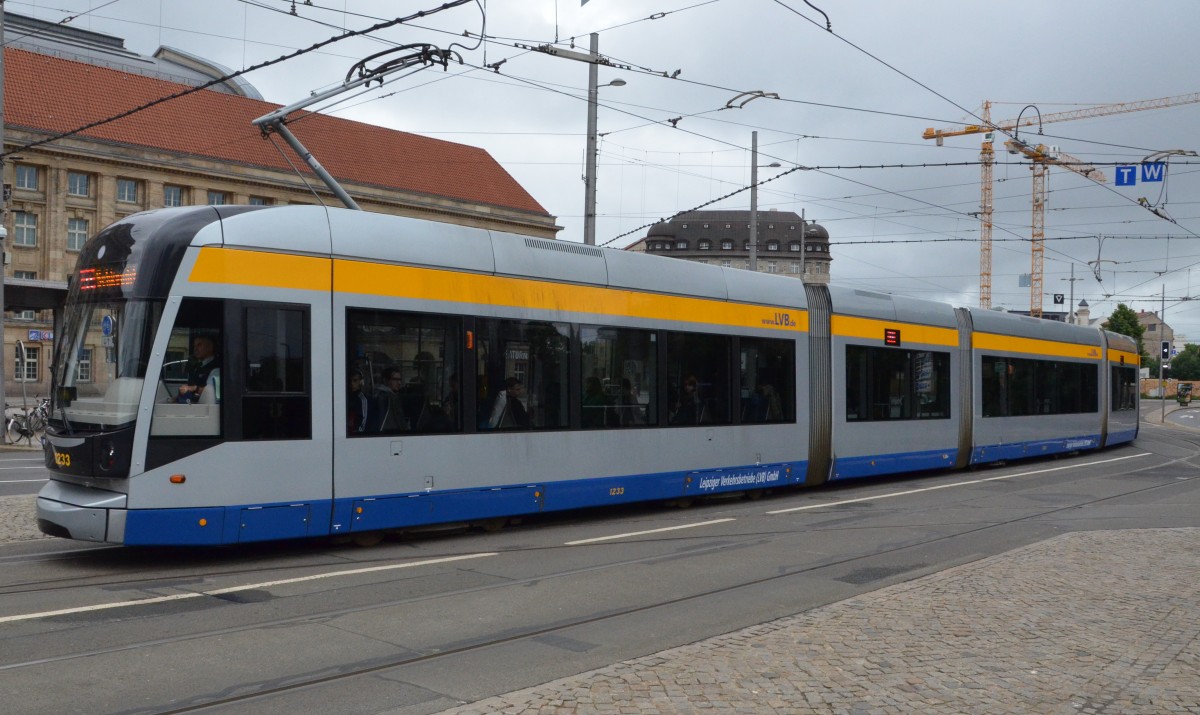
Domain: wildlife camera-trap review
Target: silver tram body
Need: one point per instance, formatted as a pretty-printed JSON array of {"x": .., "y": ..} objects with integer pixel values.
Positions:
[{"x": 300, "y": 297}]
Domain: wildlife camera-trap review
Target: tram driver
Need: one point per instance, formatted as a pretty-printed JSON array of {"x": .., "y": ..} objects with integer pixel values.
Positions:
[{"x": 205, "y": 371}]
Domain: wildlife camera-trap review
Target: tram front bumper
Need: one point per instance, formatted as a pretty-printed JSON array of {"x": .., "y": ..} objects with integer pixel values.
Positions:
[{"x": 76, "y": 512}]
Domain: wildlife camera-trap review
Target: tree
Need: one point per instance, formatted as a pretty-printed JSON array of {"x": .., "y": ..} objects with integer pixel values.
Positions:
[
  {"x": 1186, "y": 365},
  {"x": 1125, "y": 321}
]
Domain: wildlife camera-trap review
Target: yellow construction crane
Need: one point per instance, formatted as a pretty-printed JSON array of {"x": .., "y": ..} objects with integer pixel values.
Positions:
[
  {"x": 1042, "y": 157},
  {"x": 987, "y": 159}
]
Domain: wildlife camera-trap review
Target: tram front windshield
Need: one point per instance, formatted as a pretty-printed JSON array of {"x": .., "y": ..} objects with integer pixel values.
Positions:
[{"x": 102, "y": 360}]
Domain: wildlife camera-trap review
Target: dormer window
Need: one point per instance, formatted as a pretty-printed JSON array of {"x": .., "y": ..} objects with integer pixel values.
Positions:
[
  {"x": 794, "y": 247},
  {"x": 773, "y": 245},
  {"x": 705, "y": 245},
  {"x": 726, "y": 245},
  {"x": 681, "y": 245}
]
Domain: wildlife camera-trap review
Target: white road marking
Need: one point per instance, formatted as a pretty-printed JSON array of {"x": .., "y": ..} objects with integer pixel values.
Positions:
[
  {"x": 235, "y": 589},
  {"x": 643, "y": 533},
  {"x": 956, "y": 484}
]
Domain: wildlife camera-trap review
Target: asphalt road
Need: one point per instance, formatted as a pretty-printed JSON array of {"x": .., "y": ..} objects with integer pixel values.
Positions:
[
  {"x": 21, "y": 472},
  {"x": 419, "y": 625}
]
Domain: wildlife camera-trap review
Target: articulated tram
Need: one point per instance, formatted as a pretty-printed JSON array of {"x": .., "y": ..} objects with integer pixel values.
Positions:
[{"x": 366, "y": 373}]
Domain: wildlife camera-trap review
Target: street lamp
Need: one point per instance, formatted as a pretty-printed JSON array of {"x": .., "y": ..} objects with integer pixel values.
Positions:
[
  {"x": 754, "y": 199},
  {"x": 589, "y": 177}
]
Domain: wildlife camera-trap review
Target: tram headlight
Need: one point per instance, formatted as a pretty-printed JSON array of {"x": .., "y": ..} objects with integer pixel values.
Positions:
[{"x": 106, "y": 458}]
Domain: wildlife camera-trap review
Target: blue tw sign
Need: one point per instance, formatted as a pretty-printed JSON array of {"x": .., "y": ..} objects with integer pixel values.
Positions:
[{"x": 1153, "y": 172}]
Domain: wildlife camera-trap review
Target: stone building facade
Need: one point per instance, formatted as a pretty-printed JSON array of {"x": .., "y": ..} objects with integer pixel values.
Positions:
[
  {"x": 194, "y": 150},
  {"x": 787, "y": 245}
]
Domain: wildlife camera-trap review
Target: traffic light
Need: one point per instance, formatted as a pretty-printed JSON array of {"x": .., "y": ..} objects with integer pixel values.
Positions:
[{"x": 1166, "y": 350}]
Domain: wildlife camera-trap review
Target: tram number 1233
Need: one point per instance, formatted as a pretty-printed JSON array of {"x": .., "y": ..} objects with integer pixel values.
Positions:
[
  {"x": 616, "y": 491},
  {"x": 62, "y": 459}
]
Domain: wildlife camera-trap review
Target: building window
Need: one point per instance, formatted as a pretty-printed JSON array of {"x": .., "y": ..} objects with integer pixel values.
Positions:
[
  {"x": 25, "y": 314},
  {"x": 27, "y": 177},
  {"x": 705, "y": 225},
  {"x": 216, "y": 198},
  {"x": 791, "y": 228},
  {"x": 745, "y": 245},
  {"x": 793, "y": 266},
  {"x": 77, "y": 233},
  {"x": 24, "y": 228},
  {"x": 79, "y": 184},
  {"x": 705, "y": 245},
  {"x": 259, "y": 201},
  {"x": 726, "y": 245},
  {"x": 772, "y": 267},
  {"x": 685, "y": 225},
  {"x": 773, "y": 245},
  {"x": 127, "y": 190},
  {"x": 1153, "y": 328},
  {"x": 770, "y": 225},
  {"x": 726, "y": 263},
  {"x": 172, "y": 195},
  {"x": 83, "y": 368},
  {"x": 681, "y": 245},
  {"x": 794, "y": 247},
  {"x": 728, "y": 225},
  {"x": 28, "y": 372}
]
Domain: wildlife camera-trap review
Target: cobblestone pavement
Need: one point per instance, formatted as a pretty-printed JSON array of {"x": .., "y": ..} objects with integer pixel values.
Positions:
[
  {"x": 18, "y": 520},
  {"x": 1089, "y": 622}
]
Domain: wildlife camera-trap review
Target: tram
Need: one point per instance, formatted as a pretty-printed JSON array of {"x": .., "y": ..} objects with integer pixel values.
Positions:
[{"x": 237, "y": 374}]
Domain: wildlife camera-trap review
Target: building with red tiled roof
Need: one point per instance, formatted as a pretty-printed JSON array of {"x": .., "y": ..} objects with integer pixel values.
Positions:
[{"x": 197, "y": 149}]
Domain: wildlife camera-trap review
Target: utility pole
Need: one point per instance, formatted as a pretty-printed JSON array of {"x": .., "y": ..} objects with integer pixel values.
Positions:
[
  {"x": 1162, "y": 359},
  {"x": 803, "y": 230},
  {"x": 589, "y": 176},
  {"x": 593, "y": 60},
  {"x": 3, "y": 225},
  {"x": 754, "y": 201},
  {"x": 1071, "y": 304}
]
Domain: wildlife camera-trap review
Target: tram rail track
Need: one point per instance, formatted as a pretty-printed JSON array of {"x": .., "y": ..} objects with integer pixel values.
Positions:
[{"x": 347, "y": 672}]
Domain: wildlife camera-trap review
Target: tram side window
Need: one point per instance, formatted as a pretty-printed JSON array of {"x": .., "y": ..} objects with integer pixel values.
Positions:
[
  {"x": 277, "y": 403},
  {"x": 407, "y": 368},
  {"x": 521, "y": 374},
  {"x": 619, "y": 367},
  {"x": 1124, "y": 388},
  {"x": 1016, "y": 387},
  {"x": 896, "y": 384},
  {"x": 768, "y": 380},
  {"x": 188, "y": 401},
  {"x": 699, "y": 379}
]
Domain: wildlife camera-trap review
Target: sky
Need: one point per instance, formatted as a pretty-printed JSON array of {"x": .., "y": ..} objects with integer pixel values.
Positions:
[{"x": 843, "y": 113}]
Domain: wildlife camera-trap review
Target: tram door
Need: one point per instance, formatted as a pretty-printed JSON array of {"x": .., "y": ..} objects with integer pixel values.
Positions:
[{"x": 236, "y": 384}]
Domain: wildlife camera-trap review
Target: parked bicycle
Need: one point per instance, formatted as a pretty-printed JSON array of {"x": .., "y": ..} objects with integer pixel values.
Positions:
[{"x": 28, "y": 424}]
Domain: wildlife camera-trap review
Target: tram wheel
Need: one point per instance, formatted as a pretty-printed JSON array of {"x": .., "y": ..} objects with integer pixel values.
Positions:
[
  {"x": 368, "y": 538},
  {"x": 492, "y": 525}
]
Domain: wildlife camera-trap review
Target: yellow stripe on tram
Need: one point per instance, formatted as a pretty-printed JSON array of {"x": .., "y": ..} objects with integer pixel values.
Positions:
[
  {"x": 1123, "y": 357},
  {"x": 273, "y": 270},
  {"x": 257, "y": 268},
  {"x": 910, "y": 333},
  {"x": 1034, "y": 346}
]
